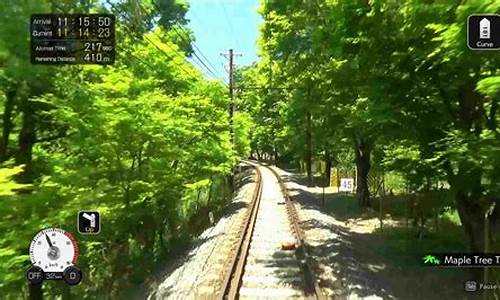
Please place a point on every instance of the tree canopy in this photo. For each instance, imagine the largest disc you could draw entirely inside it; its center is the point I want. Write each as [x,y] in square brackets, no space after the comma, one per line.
[144,141]
[391,82]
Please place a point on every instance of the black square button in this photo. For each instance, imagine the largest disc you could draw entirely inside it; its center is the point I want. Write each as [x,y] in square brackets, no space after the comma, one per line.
[483,32]
[89,222]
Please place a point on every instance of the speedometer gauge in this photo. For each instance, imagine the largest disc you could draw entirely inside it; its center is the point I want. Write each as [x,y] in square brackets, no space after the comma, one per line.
[53,250]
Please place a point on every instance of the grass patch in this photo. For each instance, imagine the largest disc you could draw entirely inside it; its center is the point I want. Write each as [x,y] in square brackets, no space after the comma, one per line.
[404,248]
[343,206]
[397,247]
[395,206]
[401,244]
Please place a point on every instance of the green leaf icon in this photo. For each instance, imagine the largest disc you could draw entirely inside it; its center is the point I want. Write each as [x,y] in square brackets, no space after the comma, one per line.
[430,259]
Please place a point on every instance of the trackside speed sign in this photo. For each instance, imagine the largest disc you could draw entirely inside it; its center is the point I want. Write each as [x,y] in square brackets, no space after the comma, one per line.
[346,185]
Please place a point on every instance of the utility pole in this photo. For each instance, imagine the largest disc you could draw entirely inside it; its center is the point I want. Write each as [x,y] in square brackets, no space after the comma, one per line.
[231,94]
[231,56]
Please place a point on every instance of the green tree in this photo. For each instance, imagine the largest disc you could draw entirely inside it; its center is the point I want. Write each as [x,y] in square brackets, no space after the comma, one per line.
[145,142]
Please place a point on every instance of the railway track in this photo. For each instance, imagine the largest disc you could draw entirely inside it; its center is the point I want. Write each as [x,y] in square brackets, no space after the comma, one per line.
[270,260]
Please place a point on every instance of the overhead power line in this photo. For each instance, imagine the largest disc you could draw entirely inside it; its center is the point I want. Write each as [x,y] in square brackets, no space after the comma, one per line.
[181,66]
[200,24]
[170,57]
[267,88]
[185,37]
[186,40]
[137,58]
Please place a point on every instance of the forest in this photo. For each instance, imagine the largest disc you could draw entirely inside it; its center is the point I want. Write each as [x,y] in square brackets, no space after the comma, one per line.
[378,86]
[391,85]
[144,141]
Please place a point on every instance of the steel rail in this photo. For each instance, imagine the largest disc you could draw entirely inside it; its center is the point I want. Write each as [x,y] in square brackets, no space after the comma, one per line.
[232,279]
[313,289]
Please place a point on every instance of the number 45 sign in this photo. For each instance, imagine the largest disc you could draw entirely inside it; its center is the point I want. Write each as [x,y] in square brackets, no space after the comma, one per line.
[346,185]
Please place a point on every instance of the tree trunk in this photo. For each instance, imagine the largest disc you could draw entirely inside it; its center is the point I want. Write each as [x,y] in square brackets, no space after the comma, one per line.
[66,291]
[338,178]
[467,181]
[275,155]
[328,168]
[469,203]
[35,292]
[309,150]
[7,125]
[472,219]
[118,270]
[363,153]
[27,138]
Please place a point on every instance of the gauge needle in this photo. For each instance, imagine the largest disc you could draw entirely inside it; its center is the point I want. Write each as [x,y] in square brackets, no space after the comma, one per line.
[48,240]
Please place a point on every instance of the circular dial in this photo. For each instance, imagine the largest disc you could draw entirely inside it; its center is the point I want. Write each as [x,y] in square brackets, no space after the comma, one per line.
[53,250]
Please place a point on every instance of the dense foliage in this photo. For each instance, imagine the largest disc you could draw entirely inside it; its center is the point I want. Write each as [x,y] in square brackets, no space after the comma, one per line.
[390,83]
[144,141]
[386,85]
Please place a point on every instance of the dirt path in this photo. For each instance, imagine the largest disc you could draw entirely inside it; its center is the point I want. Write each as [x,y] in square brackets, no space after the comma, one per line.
[351,261]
